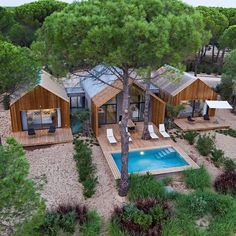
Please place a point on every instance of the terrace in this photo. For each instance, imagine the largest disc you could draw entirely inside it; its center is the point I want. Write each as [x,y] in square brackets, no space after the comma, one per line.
[137,144]
[62,135]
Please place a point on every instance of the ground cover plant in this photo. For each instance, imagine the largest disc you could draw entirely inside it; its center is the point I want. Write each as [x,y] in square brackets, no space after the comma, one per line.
[65,219]
[230,132]
[190,136]
[205,144]
[217,156]
[85,167]
[197,178]
[226,183]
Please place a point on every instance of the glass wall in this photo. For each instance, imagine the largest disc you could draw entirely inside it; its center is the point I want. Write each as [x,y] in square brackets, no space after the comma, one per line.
[137,101]
[77,102]
[41,119]
[107,113]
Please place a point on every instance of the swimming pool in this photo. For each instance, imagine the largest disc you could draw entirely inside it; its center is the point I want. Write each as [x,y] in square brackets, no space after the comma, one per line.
[151,160]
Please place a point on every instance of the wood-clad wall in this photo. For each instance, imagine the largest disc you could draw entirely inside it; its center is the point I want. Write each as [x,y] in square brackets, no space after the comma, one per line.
[158,107]
[198,90]
[39,98]
[94,118]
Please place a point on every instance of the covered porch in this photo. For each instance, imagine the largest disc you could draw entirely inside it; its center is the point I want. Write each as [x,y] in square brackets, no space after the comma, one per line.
[42,137]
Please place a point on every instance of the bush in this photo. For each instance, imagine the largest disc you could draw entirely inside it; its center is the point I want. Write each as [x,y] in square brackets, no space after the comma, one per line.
[6,102]
[226,183]
[197,178]
[144,217]
[205,144]
[190,136]
[85,167]
[92,226]
[217,156]
[143,186]
[229,165]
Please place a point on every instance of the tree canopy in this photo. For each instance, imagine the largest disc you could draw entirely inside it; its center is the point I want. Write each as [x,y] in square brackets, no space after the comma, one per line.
[21,208]
[228,38]
[18,67]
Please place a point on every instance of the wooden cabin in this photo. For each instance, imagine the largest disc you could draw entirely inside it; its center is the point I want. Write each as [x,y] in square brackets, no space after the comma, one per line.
[105,101]
[45,105]
[182,88]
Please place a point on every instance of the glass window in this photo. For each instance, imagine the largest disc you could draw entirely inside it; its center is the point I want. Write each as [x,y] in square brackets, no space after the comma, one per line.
[77,102]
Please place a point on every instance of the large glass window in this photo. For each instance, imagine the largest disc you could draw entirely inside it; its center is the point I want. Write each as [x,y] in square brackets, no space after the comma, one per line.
[77,102]
[136,104]
[40,119]
[107,113]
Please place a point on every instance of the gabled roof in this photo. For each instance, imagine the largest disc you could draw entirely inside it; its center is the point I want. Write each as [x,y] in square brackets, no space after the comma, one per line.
[171,80]
[47,82]
[99,78]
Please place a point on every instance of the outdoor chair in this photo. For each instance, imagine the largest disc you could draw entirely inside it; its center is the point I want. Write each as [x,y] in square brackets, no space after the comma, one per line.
[130,139]
[190,119]
[110,136]
[31,132]
[151,132]
[162,131]
[52,129]
[206,117]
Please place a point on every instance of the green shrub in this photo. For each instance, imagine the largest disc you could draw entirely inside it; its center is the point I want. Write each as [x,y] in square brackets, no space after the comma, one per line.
[92,226]
[167,180]
[190,136]
[197,178]
[85,167]
[217,156]
[229,165]
[6,102]
[115,230]
[205,144]
[143,186]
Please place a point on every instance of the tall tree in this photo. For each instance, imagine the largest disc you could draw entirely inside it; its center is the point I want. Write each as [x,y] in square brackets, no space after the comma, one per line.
[216,23]
[124,35]
[18,68]
[21,208]
[228,79]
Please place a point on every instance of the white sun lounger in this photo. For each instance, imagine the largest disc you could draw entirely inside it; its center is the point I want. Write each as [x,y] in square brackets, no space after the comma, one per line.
[110,136]
[130,139]
[152,133]
[162,131]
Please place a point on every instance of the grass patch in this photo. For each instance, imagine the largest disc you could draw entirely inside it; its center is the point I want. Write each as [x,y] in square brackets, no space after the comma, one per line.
[205,144]
[230,132]
[190,136]
[197,178]
[142,186]
[85,167]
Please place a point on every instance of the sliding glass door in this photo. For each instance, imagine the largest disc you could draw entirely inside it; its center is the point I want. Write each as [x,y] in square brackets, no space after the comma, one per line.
[40,119]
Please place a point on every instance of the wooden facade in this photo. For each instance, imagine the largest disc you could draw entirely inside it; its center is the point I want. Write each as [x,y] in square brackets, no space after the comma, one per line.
[36,99]
[197,90]
[157,105]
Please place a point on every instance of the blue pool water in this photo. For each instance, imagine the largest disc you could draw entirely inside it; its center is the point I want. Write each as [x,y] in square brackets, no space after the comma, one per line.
[152,159]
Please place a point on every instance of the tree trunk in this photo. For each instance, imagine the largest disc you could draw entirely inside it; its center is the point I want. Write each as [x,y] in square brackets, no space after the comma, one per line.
[205,50]
[213,53]
[124,181]
[222,58]
[146,134]
[197,59]
[217,56]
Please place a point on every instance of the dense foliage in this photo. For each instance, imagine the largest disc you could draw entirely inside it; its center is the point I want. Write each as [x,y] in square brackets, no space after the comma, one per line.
[18,68]
[21,208]
[190,136]
[86,169]
[197,178]
[65,218]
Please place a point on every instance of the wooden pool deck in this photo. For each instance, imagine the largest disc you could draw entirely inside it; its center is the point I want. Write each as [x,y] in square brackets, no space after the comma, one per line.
[138,144]
[200,125]
[62,135]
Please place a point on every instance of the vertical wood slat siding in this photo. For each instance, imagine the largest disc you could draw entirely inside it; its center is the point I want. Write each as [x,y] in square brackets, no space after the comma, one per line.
[94,118]
[39,98]
[158,110]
